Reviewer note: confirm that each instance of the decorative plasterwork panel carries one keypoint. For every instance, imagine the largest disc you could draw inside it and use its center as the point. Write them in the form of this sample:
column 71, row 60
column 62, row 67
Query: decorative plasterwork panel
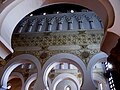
column 83, row 44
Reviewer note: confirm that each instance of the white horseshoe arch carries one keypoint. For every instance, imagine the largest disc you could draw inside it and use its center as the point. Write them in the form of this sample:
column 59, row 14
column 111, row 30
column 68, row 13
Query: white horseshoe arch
column 101, row 80
column 96, row 58
column 32, row 78
column 68, row 58
column 63, row 76
column 100, row 57
column 15, row 62
column 29, row 81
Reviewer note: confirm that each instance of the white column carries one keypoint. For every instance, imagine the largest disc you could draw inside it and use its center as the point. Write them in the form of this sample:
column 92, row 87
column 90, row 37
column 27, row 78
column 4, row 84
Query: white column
column 62, row 66
column 39, row 27
column 32, row 23
column 70, row 25
column 65, row 65
column 49, row 27
column 22, row 26
column 59, row 26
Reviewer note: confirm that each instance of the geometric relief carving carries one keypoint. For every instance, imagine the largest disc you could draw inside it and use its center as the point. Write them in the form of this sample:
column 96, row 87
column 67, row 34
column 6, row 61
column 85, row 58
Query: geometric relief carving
column 83, row 44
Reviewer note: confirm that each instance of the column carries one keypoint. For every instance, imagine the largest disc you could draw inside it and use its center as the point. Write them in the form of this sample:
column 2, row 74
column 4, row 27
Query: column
column 39, row 27
column 22, row 26
column 59, row 26
column 70, row 23
column 80, row 23
column 65, row 65
column 60, row 23
column 50, row 23
column 40, row 24
column 49, row 26
column 31, row 25
column 68, row 65
column 80, row 20
column 91, row 22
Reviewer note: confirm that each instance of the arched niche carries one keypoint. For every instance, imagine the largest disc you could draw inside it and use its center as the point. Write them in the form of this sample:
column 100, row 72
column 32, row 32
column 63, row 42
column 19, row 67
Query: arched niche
column 65, row 76
column 14, row 63
column 66, row 58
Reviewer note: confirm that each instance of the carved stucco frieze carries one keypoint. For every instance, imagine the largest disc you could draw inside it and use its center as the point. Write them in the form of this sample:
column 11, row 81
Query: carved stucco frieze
column 39, row 44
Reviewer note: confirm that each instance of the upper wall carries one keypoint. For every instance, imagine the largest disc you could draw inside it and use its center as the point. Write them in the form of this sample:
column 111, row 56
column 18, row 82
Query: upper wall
column 17, row 11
